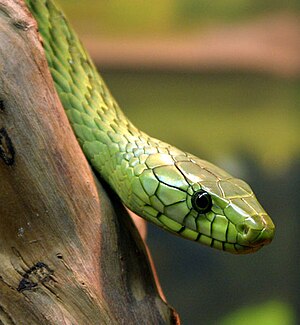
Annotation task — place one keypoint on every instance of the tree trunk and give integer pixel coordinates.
(70, 253)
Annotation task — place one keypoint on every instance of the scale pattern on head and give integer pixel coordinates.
(175, 190)
(201, 202)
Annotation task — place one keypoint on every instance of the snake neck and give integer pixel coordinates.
(129, 160)
(112, 144)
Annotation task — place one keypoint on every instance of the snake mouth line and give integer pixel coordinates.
(234, 247)
(237, 245)
(226, 246)
(263, 239)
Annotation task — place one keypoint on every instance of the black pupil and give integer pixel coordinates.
(202, 201)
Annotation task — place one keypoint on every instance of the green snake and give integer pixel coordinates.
(171, 188)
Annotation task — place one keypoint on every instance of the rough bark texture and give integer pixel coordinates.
(69, 254)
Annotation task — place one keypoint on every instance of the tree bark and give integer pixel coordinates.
(69, 252)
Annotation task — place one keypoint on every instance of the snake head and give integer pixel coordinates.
(199, 201)
(236, 220)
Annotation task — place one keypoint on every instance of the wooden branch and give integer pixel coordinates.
(67, 254)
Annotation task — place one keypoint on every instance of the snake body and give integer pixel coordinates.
(173, 189)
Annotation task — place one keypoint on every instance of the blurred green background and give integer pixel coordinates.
(145, 18)
(240, 113)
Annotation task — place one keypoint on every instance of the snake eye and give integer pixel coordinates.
(201, 201)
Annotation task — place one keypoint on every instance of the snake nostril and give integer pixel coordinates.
(246, 230)
(254, 234)
(243, 229)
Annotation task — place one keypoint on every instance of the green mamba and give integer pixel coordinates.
(171, 188)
